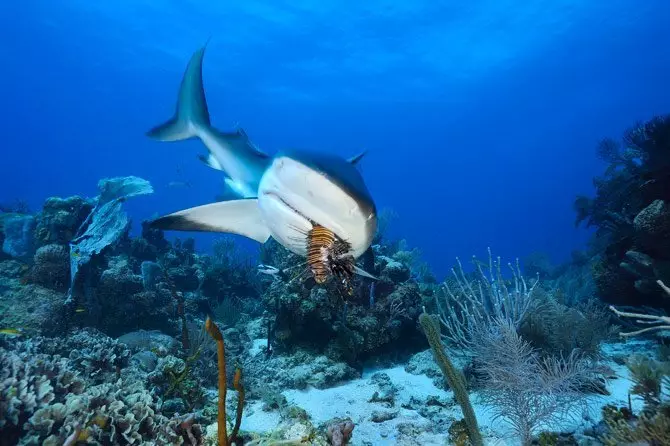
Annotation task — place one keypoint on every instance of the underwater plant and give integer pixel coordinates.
(467, 305)
(544, 325)
(651, 381)
(526, 390)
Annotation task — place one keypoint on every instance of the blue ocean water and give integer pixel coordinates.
(480, 118)
(483, 125)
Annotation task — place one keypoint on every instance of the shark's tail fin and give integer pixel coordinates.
(191, 114)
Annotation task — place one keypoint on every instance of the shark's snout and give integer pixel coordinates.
(295, 195)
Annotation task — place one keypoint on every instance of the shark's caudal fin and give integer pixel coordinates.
(235, 217)
(191, 114)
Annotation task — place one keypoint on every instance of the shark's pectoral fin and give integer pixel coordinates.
(241, 217)
(355, 159)
(362, 272)
(211, 161)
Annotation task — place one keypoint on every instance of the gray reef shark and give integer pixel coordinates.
(282, 196)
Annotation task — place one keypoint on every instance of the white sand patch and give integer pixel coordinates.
(254, 419)
(352, 400)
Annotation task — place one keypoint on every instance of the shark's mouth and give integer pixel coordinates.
(276, 197)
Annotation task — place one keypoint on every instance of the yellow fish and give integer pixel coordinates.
(11, 331)
(80, 310)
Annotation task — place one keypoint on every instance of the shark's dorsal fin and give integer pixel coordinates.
(241, 217)
(355, 159)
(240, 131)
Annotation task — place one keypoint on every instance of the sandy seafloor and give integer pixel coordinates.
(351, 399)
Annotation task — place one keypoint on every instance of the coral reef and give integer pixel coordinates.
(631, 215)
(377, 319)
(18, 240)
(32, 308)
(60, 219)
(321, 366)
(79, 388)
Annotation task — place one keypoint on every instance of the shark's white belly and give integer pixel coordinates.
(286, 226)
(293, 197)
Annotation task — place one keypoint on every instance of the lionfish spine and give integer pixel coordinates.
(320, 242)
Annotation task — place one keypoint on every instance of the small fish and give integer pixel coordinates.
(179, 184)
(80, 310)
(11, 331)
(75, 254)
(267, 269)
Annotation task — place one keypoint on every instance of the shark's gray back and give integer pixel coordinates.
(338, 170)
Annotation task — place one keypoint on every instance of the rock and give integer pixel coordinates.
(185, 278)
(19, 240)
(396, 271)
(60, 219)
(652, 228)
(118, 281)
(145, 360)
(638, 264)
(172, 406)
(387, 390)
(34, 309)
(234, 344)
(339, 431)
(257, 329)
(11, 269)
(51, 267)
(424, 363)
(382, 416)
(150, 340)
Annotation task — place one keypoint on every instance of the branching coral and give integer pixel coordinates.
(48, 399)
(657, 322)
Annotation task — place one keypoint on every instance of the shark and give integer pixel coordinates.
(284, 196)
